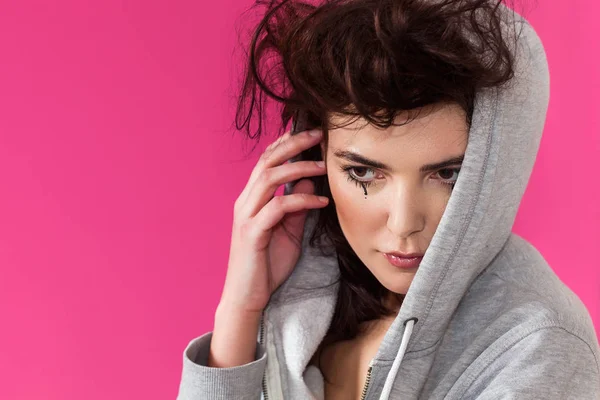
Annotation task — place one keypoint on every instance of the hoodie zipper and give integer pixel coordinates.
(264, 380)
(261, 339)
(368, 380)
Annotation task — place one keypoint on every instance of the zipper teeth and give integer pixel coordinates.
(366, 387)
(264, 379)
(264, 386)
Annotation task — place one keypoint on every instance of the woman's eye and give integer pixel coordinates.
(449, 176)
(360, 175)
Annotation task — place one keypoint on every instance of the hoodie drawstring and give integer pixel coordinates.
(387, 387)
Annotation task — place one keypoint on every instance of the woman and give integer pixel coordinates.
(429, 116)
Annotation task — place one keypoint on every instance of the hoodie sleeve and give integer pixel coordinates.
(200, 382)
(550, 364)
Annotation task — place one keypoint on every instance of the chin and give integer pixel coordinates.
(399, 282)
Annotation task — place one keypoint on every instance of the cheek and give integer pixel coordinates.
(351, 207)
(438, 206)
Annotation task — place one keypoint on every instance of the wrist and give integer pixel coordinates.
(234, 336)
(230, 310)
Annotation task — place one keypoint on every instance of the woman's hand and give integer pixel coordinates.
(262, 254)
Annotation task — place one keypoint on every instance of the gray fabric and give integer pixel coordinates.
(494, 320)
(201, 382)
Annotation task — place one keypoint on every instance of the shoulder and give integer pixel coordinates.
(518, 302)
(548, 362)
(520, 287)
(529, 335)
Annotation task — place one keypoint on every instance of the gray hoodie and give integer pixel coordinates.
(485, 316)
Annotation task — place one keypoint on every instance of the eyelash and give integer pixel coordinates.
(360, 183)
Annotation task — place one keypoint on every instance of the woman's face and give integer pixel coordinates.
(404, 204)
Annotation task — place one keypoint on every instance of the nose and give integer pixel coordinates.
(406, 213)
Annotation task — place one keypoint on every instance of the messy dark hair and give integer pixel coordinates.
(371, 59)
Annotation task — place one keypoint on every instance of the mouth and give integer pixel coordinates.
(402, 261)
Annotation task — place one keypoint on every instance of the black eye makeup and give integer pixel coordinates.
(356, 178)
(356, 174)
(364, 184)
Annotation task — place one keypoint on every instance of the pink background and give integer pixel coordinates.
(118, 177)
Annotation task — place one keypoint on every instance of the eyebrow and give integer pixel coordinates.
(355, 157)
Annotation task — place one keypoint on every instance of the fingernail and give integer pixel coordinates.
(320, 163)
(315, 132)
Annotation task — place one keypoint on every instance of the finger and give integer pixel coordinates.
(265, 187)
(276, 209)
(290, 147)
(256, 170)
(286, 148)
(295, 221)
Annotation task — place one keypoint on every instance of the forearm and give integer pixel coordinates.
(234, 337)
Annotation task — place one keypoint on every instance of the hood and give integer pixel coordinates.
(503, 142)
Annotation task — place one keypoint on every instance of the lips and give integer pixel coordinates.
(403, 255)
(403, 262)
